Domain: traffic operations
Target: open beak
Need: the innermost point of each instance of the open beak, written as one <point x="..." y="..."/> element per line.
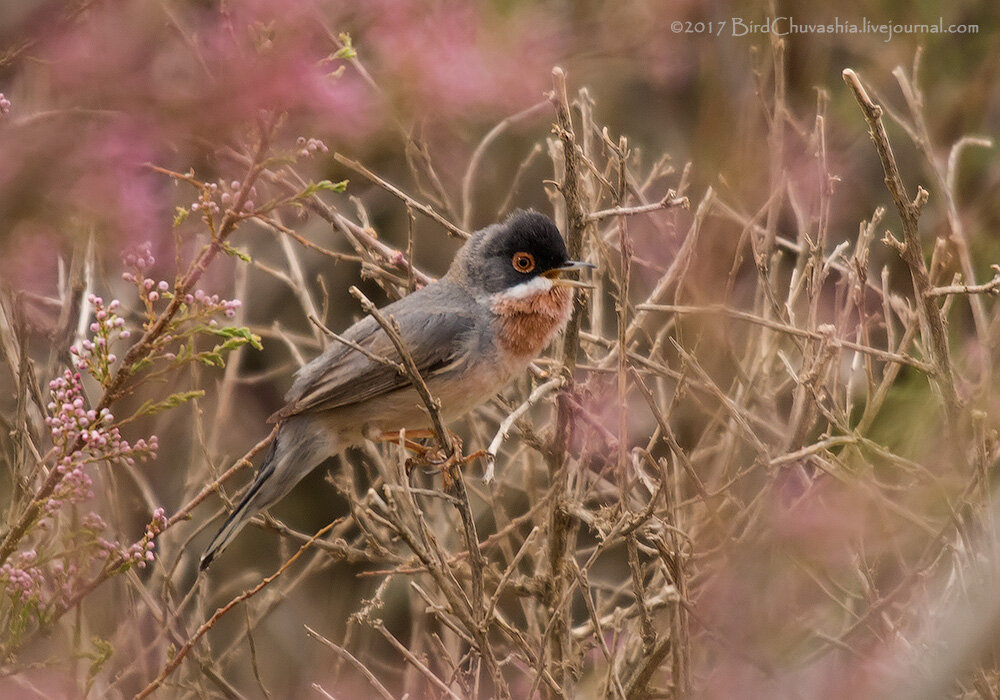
<point x="555" y="274"/>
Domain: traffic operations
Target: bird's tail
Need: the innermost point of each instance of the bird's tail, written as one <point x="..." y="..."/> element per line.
<point x="295" y="451"/>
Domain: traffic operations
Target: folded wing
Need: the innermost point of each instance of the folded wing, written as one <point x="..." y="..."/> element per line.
<point x="435" y="335"/>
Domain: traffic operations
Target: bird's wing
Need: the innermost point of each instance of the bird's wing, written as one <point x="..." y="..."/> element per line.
<point x="434" y="334"/>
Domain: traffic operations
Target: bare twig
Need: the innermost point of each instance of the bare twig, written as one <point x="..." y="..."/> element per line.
<point x="210" y="622"/>
<point x="911" y="249"/>
<point x="410" y="201"/>
<point x="536" y="395"/>
<point x="391" y="329"/>
<point x="992" y="287"/>
<point x="345" y="654"/>
<point x="669" y="200"/>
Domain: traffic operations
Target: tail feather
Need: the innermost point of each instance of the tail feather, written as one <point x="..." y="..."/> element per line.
<point x="243" y="512"/>
<point x="299" y="447"/>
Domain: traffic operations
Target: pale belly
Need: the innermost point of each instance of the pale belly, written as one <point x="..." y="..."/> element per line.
<point x="404" y="409"/>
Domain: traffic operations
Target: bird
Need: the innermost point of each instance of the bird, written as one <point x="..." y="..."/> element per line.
<point x="470" y="333"/>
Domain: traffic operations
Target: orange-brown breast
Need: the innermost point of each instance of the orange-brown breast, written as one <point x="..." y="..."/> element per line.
<point x="528" y="324"/>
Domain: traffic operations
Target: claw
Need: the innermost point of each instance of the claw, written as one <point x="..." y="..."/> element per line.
<point x="434" y="457"/>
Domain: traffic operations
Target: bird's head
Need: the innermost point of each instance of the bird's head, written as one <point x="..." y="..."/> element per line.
<point x="523" y="256"/>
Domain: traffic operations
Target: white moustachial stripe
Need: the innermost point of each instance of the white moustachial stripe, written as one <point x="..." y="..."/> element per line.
<point x="536" y="285"/>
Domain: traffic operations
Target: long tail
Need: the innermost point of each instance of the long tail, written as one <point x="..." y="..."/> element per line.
<point x="297" y="449"/>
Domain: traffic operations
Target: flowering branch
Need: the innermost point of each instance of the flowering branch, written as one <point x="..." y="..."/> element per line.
<point x="141" y="349"/>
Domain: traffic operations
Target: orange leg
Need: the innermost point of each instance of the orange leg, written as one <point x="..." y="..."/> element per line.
<point x="431" y="455"/>
<point x="409" y="444"/>
<point x="456" y="462"/>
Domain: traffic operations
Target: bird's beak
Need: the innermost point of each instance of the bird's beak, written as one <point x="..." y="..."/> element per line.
<point x="555" y="274"/>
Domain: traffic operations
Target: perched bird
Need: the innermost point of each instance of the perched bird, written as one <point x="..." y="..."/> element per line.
<point x="470" y="333"/>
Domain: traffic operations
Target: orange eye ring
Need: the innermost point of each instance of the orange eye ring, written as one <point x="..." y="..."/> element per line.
<point x="523" y="262"/>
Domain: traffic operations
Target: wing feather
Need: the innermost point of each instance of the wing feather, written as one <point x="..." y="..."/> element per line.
<point x="434" y="333"/>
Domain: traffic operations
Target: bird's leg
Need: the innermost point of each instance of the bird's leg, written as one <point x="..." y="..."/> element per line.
<point x="421" y="450"/>
<point x="434" y="456"/>
<point x="478" y="454"/>
<point x="438" y="455"/>
<point x="394" y="436"/>
<point x="424" y="454"/>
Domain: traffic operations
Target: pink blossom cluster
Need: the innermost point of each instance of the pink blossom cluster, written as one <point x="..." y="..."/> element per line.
<point x="227" y="195"/>
<point x="199" y="302"/>
<point x="38" y="585"/>
<point x="95" y="355"/>
<point x="41" y="582"/>
<point x="93" y="523"/>
<point x="4" y="105"/>
<point x="62" y="577"/>
<point x="139" y="257"/>
<point x="70" y="419"/>
<point x="75" y="486"/>
<point x="84" y="435"/>
<point x="212" y="302"/>
<point x="206" y="200"/>
<point x="309" y="147"/>
<point x="22" y="579"/>
<point x="140" y="553"/>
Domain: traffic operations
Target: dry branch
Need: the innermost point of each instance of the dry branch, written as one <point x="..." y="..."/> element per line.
<point x="911" y="248"/>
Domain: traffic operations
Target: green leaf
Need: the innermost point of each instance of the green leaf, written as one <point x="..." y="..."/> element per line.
<point x="102" y="652"/>
<point x="142" y="364"/>
<point x="212" y="359"/>
<point x="240" y="333"/>
<point x="321" y="186"/>
<point x="347" y="50"/>
<point x="181" y="216"/>
<point x="171" y="401"/>
<point x="236" y="253"/>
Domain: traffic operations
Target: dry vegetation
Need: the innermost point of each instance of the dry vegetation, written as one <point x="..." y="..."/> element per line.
<point x="694" y="493"/>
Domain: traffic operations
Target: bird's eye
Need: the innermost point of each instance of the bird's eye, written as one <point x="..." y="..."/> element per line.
<point x="523" y="262"/>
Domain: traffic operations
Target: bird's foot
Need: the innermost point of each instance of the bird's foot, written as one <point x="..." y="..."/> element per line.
<point x="435" y="458"/>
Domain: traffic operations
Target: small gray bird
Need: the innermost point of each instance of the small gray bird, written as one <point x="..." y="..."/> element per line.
<point x="470" y="333"/>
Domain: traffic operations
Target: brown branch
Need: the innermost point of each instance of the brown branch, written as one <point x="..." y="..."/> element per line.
<point x="992" y="287"/>
<point x="344" y="653"/>
<point x="144" y="345"/>
<point x="391" y="328"/>
<point x="669" y="201"/>
<point x="419" y="665"/>
<point x="559" y="520"/>
<point x="910" y="249"/>
<point x="944" y="177"/>
<point x="210" y="622"/>
<point x="410" y="201"/>
<point x="790" y="330"/>
<point x="358" y="236"/>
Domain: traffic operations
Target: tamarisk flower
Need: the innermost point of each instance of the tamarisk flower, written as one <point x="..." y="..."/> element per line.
<point x="309" y="147"/>
<point x="199" y="303"/>
<point x="94" y="354"/>
<point x="84" y="436"/>
<point x="206" y="201"/>
<point x="22" y="579"/>
<point x="140" y="553"/>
